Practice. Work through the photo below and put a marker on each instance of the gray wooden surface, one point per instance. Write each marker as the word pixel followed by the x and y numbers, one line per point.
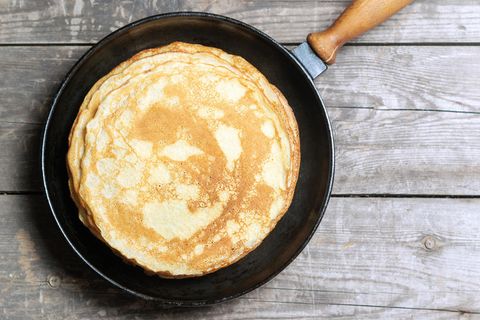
pixel 401 236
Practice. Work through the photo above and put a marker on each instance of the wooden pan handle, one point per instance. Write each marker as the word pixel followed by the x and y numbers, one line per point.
pixel 359 17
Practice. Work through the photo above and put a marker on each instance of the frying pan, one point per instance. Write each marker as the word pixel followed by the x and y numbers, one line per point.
pixel 293 75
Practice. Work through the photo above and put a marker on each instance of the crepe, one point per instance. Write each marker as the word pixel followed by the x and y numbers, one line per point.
pixel 183 159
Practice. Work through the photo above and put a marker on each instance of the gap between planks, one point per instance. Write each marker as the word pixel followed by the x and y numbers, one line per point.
pixel 462 312
pixel 333 195
pixel 285 44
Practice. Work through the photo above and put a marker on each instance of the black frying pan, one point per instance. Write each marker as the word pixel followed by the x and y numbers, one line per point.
pixel 316 171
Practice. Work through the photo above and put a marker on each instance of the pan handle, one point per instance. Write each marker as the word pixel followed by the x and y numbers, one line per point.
pixel 359 17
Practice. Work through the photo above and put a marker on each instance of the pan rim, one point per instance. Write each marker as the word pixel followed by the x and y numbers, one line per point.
pixel 73 70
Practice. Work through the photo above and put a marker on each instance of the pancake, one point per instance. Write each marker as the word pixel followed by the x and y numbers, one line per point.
pixel 183 159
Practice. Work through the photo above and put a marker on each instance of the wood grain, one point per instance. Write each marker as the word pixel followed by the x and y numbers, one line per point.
pixel 367 252
pixel 29 79
pixel 81 21
pixel 438 78
pixel 405 152
pixel 19 157
pixel 377 152
pixel 367 77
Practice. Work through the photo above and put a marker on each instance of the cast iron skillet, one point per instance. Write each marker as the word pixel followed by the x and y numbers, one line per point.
pixel 316 171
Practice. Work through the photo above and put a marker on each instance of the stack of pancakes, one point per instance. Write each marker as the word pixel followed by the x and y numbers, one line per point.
pixel 183 158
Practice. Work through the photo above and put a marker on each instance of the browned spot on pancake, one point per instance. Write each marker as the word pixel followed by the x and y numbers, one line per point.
pixel 129 223
pixel 157 124
pixel 260 204
pixel 199 204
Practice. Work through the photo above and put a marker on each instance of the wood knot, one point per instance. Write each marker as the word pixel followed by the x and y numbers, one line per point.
pixel 53 281
pixel 429 243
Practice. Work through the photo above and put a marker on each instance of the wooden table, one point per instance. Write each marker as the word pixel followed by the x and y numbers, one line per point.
pixel 401 236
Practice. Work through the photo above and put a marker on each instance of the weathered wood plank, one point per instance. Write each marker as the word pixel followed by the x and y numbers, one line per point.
pixel 392 77
pixel 405 152
pixel 367 252
pixel 19 157
pixel 377 152
pixel 29 79
pixel 287 21
pixel 367 77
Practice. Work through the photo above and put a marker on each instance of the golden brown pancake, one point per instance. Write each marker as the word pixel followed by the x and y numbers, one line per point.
pixel 183 158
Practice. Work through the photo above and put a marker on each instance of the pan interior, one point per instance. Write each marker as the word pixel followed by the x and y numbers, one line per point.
pixel 313 187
